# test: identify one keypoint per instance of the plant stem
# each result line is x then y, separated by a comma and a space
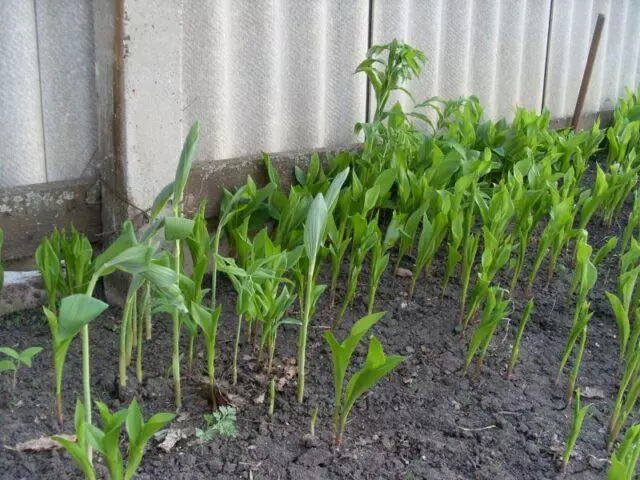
192, 338
312, 424
122, 360
236, 347
140, 321
214, 266
177, 390
302, 343
272, 396
576, 367
147, 309
211, 355
131, 319
86, 368
86, 384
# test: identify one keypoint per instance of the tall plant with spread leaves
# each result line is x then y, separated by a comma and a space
313, 241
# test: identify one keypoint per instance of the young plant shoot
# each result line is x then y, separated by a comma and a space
576, 426
624, 460
515, 351
107, 440
15, 360
376, 366
494, 311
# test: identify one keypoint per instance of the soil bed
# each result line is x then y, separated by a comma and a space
424, 421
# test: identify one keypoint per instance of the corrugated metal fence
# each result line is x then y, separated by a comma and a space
278, 75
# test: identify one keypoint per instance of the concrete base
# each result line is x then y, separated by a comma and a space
21, 291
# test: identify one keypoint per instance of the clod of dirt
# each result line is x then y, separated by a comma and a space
592, 392
311, 441
404, 273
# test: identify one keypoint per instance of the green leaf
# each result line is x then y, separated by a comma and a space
76, 311
376, 366
177, 228
334, 189
132, 260
78, 454
27, 355
314, 227
10, 352
186, 160
161, 201
134, 422
126, 239
7, 366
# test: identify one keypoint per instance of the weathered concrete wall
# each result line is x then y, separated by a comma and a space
617, 64
494, 49
270, 76
48, 125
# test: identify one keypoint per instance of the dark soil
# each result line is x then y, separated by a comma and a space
425, 421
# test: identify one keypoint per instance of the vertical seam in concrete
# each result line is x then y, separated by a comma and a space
467, 53
44, 135
367, 111
546, 58
321, 135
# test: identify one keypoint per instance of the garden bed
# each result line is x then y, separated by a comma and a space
424, 421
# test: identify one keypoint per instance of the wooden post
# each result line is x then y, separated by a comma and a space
586, 77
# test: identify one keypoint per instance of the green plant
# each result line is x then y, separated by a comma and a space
387, 75
16, 360
604, 251
207, 320
495, 255
633, 222
380, 259
376, 366
222, 422
629, 388
623, 306
177, 229
314, 233
494, 311
576, 426
624, 460
65, 263
365, 237
578, 330
431, 237
585, 274
107, 440
555, 234
515, 352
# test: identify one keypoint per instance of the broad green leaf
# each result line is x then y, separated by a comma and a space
7, 366
314, 227
334, 189
27, 355
132, 260
177, 228
126, 239
134, 422
76, 311
186, 160
10, 352
161, 201
78, 454
376, 367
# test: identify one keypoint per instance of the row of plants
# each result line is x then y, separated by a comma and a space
438, 180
